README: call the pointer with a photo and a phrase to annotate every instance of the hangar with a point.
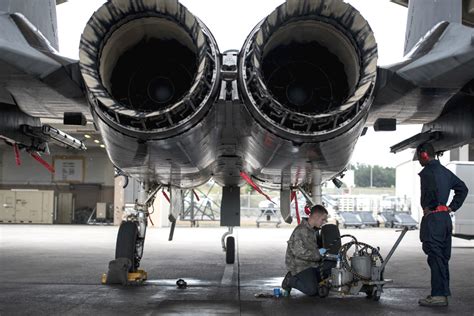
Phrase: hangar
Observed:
(154, 129)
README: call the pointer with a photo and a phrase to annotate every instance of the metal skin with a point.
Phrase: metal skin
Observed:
(287, 109)
(170, 141)
(220, 139)
(12, 117)
(276, 119)
(278, 153)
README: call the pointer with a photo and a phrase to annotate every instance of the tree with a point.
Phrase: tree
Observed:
(382, 177)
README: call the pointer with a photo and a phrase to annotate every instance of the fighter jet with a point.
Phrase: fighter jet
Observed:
(283, 112)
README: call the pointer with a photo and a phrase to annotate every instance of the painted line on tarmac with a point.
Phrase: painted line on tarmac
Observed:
(228, 273)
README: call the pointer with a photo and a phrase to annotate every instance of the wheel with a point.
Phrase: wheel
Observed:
(126, 243)
(373, 293)
(376, 295)
(323, 291)
(369, 292)
(230, 250)
(330, 238)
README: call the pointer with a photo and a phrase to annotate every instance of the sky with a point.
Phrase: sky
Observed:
(230, 21)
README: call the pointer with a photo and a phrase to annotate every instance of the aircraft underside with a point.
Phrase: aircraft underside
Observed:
(284, 112)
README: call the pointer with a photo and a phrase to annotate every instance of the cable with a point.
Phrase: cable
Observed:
(363, 251)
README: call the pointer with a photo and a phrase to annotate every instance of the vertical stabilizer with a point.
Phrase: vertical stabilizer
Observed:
(41, 13)
(424, 14)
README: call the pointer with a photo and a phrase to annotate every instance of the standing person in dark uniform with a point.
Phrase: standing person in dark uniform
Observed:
(436, 226)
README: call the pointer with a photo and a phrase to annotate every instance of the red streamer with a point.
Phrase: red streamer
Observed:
(42, 161)
(166, 196)
(17, 154)
(254, 185)
(294, 197)
(152, 224)
(195, 194)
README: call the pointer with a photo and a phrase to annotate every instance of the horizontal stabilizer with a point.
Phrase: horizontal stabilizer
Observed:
(416, 140)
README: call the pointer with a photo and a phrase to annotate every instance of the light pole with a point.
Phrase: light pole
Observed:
(371, 174)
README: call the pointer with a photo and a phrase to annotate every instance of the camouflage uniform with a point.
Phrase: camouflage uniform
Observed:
(302, 251)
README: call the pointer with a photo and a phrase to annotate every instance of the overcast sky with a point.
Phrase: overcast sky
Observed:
(230, 21)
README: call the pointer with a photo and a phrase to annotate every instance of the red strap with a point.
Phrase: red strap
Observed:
(149, 217)
(42, 161)
(294, 197)
(195, 194)
(440, 208)
(17, 154)
(253, 185)
(166, 196)
(307, 210)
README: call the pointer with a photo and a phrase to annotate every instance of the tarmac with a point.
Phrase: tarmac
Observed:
(56, 270)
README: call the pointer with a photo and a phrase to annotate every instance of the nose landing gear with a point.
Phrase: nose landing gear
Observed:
(228, 245)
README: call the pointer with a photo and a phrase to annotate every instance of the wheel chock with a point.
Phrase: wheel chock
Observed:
(133, 277)
(138, 276)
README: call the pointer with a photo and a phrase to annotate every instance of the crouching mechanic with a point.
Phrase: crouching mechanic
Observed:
(303, 256)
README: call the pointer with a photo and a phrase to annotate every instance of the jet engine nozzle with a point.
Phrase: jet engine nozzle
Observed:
(307, 71)
(149, 66)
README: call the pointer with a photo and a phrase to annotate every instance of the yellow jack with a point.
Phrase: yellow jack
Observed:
(135, 277)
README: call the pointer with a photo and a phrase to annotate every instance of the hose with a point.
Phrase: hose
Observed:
(374, 253)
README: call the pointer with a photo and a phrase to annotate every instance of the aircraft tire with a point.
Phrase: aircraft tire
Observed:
(230, 250)
(126, 243)
(323, 291)
(330, 238)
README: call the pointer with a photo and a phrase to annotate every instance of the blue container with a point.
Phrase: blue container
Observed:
(277, 292)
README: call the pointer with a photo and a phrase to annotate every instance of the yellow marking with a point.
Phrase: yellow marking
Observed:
(138, 276)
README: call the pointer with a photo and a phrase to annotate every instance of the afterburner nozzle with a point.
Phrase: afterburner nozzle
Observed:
(307, 71)
(149, 66)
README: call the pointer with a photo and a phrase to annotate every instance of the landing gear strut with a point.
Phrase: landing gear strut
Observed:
(131, 237)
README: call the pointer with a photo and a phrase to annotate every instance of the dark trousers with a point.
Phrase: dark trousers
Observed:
(307, 281)
(435, 234)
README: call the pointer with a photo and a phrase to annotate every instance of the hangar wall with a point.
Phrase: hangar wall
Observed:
(97, 168)
(407, 182)
(90, 178)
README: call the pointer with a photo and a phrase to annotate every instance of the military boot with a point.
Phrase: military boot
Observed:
(434, 301)
(286, 282)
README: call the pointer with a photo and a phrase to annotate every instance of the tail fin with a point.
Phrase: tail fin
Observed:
(424, 14)
(41, 14)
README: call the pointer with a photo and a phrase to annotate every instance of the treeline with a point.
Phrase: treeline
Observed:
(382, 177)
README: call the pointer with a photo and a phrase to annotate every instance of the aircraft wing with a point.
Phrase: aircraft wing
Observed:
(287, 109)
(416, 90)
(434, 84)
(36, 82)
(41, 82)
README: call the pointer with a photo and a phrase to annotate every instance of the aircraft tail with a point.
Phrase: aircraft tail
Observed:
(41, 13)
(424, 14)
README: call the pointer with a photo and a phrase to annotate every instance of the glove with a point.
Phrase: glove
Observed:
(322, 251)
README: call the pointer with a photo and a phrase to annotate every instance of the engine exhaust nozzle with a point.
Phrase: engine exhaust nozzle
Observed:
(150, 66)
(307, 71)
